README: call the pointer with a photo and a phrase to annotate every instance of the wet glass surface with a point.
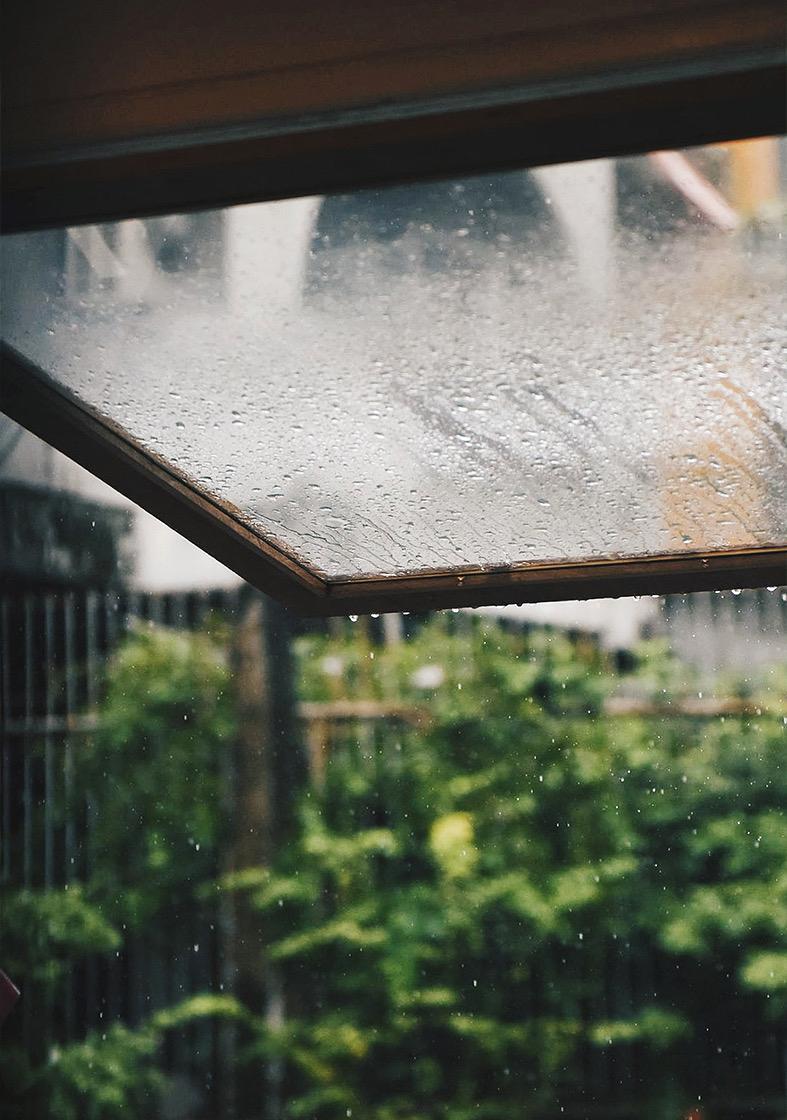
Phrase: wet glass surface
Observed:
(571, 363)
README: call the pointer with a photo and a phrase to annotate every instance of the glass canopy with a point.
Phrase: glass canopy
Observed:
(530, 371)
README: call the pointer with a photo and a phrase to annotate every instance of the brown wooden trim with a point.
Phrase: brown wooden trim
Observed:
(686, 707)
(583, 579)
(91, 72)
(31, 398)
(629, 113)
(344, 711)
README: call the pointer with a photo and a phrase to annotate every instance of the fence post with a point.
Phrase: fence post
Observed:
(269, 770)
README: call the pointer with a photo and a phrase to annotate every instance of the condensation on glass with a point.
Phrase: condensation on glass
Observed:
(563, 364)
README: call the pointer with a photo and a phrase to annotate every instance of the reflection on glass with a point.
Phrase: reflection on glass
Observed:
(566, 363)
(441, 868)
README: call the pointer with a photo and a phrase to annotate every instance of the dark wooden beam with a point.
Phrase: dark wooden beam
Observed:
(121, 111)
(103, 185)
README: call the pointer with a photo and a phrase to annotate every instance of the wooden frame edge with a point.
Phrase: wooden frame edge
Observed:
(590, 579)
(33, 400)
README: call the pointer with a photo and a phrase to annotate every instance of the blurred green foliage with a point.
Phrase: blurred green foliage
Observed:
(444, 916)
(446, 919)
(154, 773)
(152, 777)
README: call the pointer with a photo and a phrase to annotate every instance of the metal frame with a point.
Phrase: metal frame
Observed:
(31, 398)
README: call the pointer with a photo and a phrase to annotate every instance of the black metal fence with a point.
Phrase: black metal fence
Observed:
(53, 654)
(53, 651)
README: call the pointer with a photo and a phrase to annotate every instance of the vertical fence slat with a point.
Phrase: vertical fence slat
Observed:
(5, 715)
(49, 772)
(29, 707)
(69, 808)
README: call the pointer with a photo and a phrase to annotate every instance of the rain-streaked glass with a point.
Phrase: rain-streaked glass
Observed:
(569, 363)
